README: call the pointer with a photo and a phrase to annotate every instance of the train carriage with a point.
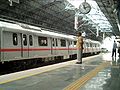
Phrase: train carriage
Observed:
(20, 43)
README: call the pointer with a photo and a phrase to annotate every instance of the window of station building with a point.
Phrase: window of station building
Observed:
(15, 39)
(24, 39)
(42, 41)
(63, 43)
(30, 40)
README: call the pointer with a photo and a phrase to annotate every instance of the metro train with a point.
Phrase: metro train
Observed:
(20, 42)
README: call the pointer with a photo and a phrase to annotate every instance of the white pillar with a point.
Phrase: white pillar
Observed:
(103, 35)
(97, 31)
(76, 22)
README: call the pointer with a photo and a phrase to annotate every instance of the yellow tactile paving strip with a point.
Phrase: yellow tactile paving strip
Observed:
(81, 81)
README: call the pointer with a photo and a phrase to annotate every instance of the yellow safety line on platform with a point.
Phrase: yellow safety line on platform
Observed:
(81, 81)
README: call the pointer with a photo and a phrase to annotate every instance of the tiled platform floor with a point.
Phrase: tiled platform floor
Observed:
(107, 78)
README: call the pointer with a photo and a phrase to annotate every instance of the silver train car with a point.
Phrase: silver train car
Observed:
(19, 42)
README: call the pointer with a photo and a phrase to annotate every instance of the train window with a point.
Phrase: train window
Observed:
(63, 43)
(95, 45)
(56, 42)
(70, 43)
(53, 42)
(75, 42)
(98, 45)
(25, 39)
(42, 41)
(15, 39)
(90, 44)
(87, 44)
(30, 40)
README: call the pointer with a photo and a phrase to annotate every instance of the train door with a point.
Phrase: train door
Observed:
(24, 46)
(68, 46)
(53, 46)
(30, 46)
(11, 45)
(56, 46)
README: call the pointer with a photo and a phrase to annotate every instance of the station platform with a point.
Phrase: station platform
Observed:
(99, 72)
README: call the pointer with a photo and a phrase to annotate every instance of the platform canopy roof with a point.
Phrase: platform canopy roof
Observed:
(59, 16)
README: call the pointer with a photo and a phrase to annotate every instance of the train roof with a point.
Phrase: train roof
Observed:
(24, 28)
(92, 41)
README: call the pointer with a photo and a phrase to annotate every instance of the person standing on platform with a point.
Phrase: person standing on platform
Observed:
(79, 46)
(119, 49)
(114, 49)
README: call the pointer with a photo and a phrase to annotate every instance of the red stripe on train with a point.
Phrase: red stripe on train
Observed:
(32, 49)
